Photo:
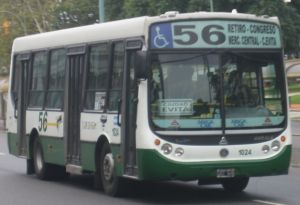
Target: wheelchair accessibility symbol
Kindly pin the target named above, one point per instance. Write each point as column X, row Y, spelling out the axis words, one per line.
column 160, row 40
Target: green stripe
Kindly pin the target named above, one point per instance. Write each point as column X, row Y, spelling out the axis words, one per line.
column 54, row 153
column 13, row 143
column 153, row 166
column 88, row 155
column 53, row 149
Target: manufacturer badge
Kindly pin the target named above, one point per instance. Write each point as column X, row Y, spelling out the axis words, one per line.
column 223, row 141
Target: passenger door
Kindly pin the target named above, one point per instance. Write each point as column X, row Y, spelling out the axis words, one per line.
column 72, row 107
column 129, row 109
column 22, row 64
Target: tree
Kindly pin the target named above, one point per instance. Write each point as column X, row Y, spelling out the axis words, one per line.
column 114, row 10
column 36, row 16
column 72, row 13
column 24, row 17
column 288, row 16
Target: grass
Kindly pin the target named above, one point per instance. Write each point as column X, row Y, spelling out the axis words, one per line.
column 295, row 99
column 294, row 87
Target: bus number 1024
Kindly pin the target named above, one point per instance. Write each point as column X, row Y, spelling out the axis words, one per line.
column 245, row 152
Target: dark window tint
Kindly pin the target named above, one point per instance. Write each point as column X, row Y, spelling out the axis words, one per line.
column 15, row 84
column 56, row 79
column 117, row 75
column 38, row 81
column 97, row 78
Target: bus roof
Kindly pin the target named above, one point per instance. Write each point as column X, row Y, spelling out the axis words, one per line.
column 127, row 28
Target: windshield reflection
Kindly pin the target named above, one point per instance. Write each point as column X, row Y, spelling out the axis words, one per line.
column 192, row 91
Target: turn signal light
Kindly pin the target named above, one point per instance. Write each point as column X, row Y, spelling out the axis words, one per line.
column 157, row 142
column 282, row 138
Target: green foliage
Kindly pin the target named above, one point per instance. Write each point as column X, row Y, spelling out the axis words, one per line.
column 196, row 5
column 114, row 10
column 33, row 16
column 72, row 13
column 289, row 17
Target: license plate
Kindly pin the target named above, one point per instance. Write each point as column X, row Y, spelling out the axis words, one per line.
column 225, row 173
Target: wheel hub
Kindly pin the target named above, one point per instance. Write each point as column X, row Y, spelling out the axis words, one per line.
column 108, row 166
column 39, row 160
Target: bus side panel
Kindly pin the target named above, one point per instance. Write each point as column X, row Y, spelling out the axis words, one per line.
column 13, row 143
column 150, row 160
column 88, row 156
column 49, row 125
column 94, row 126
column 53, row 148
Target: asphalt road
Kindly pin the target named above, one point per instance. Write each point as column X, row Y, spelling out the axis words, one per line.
column 18, row 188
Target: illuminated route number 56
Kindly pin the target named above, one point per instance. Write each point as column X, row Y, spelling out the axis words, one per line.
column 211, row 34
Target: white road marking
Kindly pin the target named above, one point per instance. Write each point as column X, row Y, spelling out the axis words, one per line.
column 267, row 202
column 2, row 153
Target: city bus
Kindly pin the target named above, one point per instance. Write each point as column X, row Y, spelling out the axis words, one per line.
column 195, row 96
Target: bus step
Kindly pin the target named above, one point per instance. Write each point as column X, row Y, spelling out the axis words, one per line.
column 74, row 169
column 23, row 156
column 131, row 170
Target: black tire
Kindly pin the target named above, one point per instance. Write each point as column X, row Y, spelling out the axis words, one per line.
column 41, row 168
column 29, row 167
column 235, row 185
column 111, row 184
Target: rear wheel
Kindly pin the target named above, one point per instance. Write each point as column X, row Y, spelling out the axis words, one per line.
column 112, row 184
column 235, row 185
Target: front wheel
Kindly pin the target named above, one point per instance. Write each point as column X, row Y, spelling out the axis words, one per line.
column 112, row 184
column 235, row 185
column 41, row 168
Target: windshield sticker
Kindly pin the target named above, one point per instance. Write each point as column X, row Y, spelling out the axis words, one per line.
column 254, row 121
column 174, row 124
column 238, row 122
column 215, row 34
column 268, row 121
column 188, row 123
column 206, row 123
column 175, row 107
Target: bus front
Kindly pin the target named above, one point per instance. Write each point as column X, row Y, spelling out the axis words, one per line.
column 217, row 105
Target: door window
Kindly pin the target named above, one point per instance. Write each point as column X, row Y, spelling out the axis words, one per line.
column 38, row 81
column 56, row 79
column 117, row 75
column 97, row 78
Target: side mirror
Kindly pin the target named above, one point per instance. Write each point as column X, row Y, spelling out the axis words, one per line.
column 140, row 64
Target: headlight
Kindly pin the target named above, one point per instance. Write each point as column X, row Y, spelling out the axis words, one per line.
column 275, row 145
column 166, row 148
column 179, row 152
column 266, row 149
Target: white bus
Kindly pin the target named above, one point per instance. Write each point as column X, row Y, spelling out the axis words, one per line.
column 196, row 96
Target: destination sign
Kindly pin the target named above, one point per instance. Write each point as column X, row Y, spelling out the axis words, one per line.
column 215, row 34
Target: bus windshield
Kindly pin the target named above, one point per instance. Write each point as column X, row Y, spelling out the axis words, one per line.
column 216, row 90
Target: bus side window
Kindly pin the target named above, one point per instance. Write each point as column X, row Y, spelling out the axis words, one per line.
column 38, row 81
column 117, row 75
column 97, row 77
column 56, row 81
